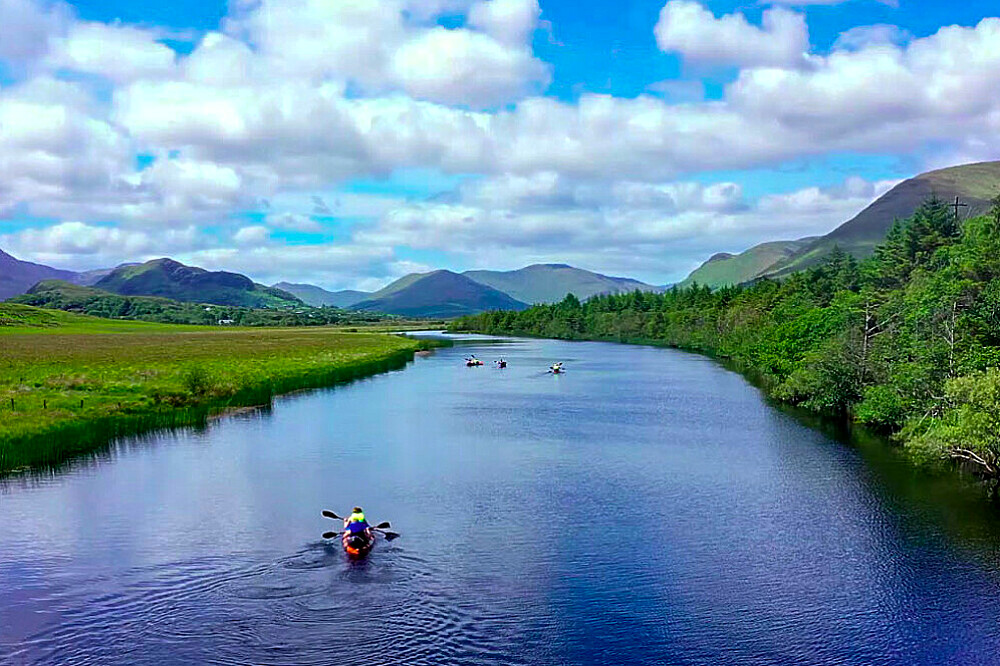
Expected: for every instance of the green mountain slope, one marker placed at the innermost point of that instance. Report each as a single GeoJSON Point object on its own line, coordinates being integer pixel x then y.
{"type": "Point", "coordinates": [170, 279]}
{"type": "Point", "coordinates": [549, 283]}
{"type": "Point", "coordinates": [438, 294]}
{"type": "Point", "coordinates": [728, 269]}
{"type": "Point", "coordinates": [318, 297]}
{"type": "Point", "coordinates": [974, 184]}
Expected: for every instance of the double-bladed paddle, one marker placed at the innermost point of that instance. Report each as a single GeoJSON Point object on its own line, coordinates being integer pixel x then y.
{"type": "Point", "coordinates": [380, 528]}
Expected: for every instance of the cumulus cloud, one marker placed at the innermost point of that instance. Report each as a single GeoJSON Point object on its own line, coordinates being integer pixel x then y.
{"type": "Point", "coordinates": [865, 36]}
{"type": "Point", "coordinates": [81, 246]}
{"type": "Point", "coordinates": [251, 235]}
{"type": "Point", "coordinates": [509, 21]}
{"type": "Point", "coordinates": [375, 47]}
{"type": "Point", "coordinates": [689, 28]}
{"type": "Point", "coordinates": [289, 98]}
{"type": "Point", "coordinates": [120, 53]}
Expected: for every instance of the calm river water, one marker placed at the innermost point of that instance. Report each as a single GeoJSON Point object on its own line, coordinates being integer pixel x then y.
{"type": "Point", "coordinates": [647, 507]}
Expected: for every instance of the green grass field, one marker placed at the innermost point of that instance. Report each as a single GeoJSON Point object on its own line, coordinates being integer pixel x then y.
{"type": "Point", "coordinates": [70, 384]}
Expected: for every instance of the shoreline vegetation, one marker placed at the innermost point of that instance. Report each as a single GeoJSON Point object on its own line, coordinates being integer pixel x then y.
{"type": "Point", "coordinates": [72, 384]}
{"type": "Point", "coordinates": [905, 343]}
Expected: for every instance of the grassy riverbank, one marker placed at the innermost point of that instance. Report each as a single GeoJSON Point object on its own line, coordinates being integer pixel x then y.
{"type": "Point", "coordinates": [70, 383]}
{"type": "Point", "coordinates": [906, 342]}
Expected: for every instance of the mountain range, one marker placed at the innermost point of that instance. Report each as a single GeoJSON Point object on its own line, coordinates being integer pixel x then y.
{"type": "Point", "coordinates": [318, 297]}
{"type": "Point", "coordinates": [974, 184]}
{"type": "Point", "coordinates": [549, 283]}
{"type": "Point", "coordinates": [445, 294]}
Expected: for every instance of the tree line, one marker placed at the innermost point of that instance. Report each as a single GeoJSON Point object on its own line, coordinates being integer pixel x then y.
{"type": "Point", "coordinates": [906, 342]}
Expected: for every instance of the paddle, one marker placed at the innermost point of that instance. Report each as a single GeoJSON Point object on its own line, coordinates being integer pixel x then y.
{"type": "Point", "coordinates": [381, 528]}
{"type": "Point", "coordinates": [330, 514]}
{"type": "Point", "coordinates": [389, 536]}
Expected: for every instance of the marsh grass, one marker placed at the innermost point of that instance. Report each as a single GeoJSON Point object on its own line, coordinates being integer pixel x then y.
{"type": "Point", "coordinates": [73, 385]}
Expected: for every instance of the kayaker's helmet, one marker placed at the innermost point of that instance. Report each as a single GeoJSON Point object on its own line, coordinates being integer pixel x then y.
{"type": "Point", "coordinates": [357, 509]}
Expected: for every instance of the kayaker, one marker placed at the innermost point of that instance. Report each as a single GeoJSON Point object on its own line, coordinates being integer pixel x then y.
{"type": "Point", "coordinates": [356, 523]}
{"type": "Point", "coordinates": [556, 367]}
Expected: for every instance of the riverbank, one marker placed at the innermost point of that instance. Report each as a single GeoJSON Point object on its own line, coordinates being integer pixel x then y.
{"type": "Point", "coordinates": [70, 384]}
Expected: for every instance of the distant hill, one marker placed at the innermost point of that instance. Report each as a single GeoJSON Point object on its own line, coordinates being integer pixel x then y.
{"type": "Point", "coordinates": [17, 276]}
{"type": "Point", "coordinates": [437, 294]}
{"type": "Point", "coordinates": [171, 279]}
{"type": "Point", "coordinates": [549, 283]}
{"type": "Point", "coordinates": [61, 295]}
{"type": "Point", "coordinates": [90, 278]}
{"type": "Point", "coordinates": [729, 269]}
{"type": "Point", "coordinates": [974, 184]}
{"type": "Point", "coordinates": [318, 297]}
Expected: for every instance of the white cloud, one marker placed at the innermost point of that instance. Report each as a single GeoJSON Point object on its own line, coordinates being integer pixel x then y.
{"type": "Point", "coordinates": [251, 235]}
{"type": "Point", "coordinates": [80, 246]}
{"type": "Point", "coordinates": [865, 36]}
{"type": "Point", "coordinates": [118, 52]}
{"type": "Point", "coordinates": [292, 97]}
{"type": "Point", "coordinates": [509, 21]}
{"type": "Point", "coordinates": [465, 67]}
{"type": "Point", "coordinates": [688, 28]}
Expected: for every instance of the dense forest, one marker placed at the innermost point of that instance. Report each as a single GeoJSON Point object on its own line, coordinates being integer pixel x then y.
{"type": "Point", "coordinates": [906, 342]}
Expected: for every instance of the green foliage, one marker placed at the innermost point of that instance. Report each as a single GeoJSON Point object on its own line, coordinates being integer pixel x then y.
{"type": "Point", "coordinates": [969, 428]}
{"type": "Point", "coordinates": [906, 341]}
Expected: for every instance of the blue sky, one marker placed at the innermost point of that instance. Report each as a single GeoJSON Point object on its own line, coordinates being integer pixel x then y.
{"type": "Point", "coordinates": [631, 137]}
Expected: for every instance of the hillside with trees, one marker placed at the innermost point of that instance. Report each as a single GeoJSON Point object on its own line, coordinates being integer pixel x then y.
{"type": "Point", "coordinates": [906, 342]}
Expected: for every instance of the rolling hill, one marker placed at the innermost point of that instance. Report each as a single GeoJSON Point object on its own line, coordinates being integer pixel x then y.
{"type": "Point", "coordinates": [729, 269]}
{"type": "Point", "coordinates": [974, 184]}
{"type": "Point", "coordinates": [549, 283]}
{"type": "Point", "coordinates": [437, 294]}
{"type": "Point", "coordinates": [315, 296]}
{"type": "Point", "coordinates": [171, 279]}
{"type": "Point", "coordinates": [17, 276]}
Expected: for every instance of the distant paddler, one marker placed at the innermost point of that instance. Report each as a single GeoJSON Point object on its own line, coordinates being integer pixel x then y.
{"type": "Point", "coordinates": [556, 368]}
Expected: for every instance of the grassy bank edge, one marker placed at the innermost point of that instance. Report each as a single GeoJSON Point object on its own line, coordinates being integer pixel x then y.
{"type": "Point", "coordinates": [59, 442]}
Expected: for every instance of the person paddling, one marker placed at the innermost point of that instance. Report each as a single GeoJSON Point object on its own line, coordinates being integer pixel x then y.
{"type": "Point", "coordinates": [356, 523]}
{"type": "Point", "coordinates": [556, 368]}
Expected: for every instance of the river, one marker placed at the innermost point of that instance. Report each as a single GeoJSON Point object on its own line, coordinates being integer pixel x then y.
{"type": "Point", "coordinates": [646, 507]}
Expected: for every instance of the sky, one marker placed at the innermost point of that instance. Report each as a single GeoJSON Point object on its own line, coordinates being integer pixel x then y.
{"type": "Point", "coordinates": [346, 143]}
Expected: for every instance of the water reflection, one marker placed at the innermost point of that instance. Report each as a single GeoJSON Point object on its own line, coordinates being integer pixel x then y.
{"type": "Point", "coordinates": [646, 507]}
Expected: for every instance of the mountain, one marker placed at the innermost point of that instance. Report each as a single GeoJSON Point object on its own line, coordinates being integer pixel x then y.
{"type": "Point", "coordinates": [170, 279]}
{"type": "Point", "coordinates": [549, 283]}
{"type": "Point", "coordinates": [90, 278]}
{"type": "Point", "coordinates": [17, 276]}
{"type": "Point", "coordinates": [974, 184]}
{"type": "Point", "coordinates": [437, 294]}
{"type": "Point", "coordinates": [315, 296]}
{"type": "Point", "coordinates": [727, 269]}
